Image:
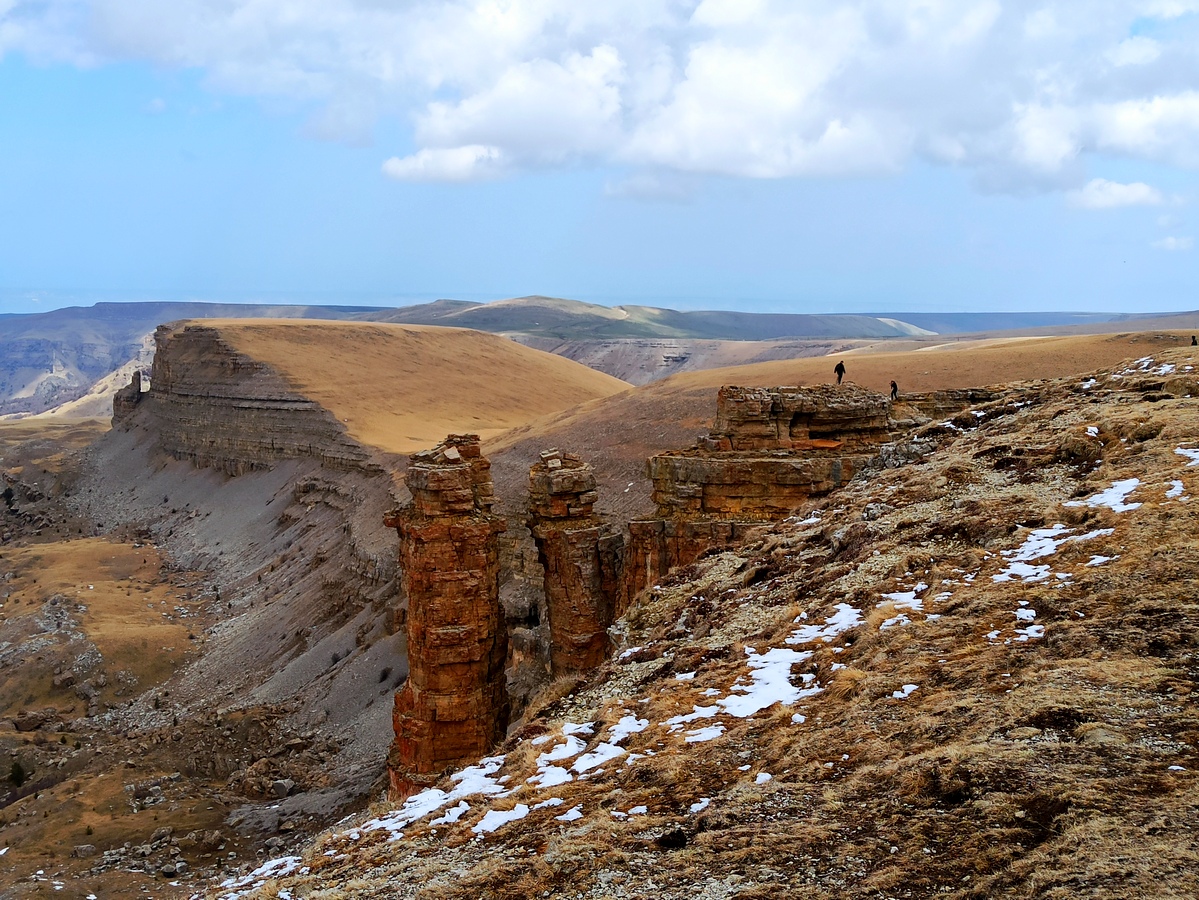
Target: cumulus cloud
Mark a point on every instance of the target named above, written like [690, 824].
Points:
[474, 162]
[1175, 243]
[1099, 193]
[1022, 92]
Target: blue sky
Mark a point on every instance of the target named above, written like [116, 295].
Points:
[971, 155]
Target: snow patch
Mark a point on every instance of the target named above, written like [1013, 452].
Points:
[1113, 498]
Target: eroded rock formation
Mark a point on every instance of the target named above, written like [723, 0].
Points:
[125, 401]
[221, 409]
[770, 450]
[581, 558]
[454, 705]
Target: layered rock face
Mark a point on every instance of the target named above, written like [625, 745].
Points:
[454, 706]
[813, 418]
[770, 450]
[581, 558]
[125, 401]
[221, 409]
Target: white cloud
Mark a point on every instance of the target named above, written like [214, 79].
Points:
[1135, 51]
[1099, 193]
[1175, 243]
[1169, 9]
[471, 163]
[1020, 91]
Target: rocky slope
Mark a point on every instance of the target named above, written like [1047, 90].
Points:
[199, 619]
[969, 676]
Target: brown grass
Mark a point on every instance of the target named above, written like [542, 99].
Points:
[404, 387]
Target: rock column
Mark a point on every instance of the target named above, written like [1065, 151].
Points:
[454, 706]
[580, 558]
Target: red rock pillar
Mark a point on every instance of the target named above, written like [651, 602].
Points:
[454, 706]
[579, 557]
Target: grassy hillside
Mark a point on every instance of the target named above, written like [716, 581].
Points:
[972, 676]
[402, 388]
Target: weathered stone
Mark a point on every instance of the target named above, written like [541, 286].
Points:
[580, 557]
[281, 787]
[125, 401]
[221, 409]
[770, 450]
[454, 705]
[84, 851]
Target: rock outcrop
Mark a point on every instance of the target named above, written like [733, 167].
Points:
[221, 409]
[581, 557]
[125, 401]
[454, 705]
[770, 450]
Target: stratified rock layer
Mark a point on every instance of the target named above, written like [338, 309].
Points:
[581, 559]
[221, 409]
[125, 401]
[770, 450]
[454, 706]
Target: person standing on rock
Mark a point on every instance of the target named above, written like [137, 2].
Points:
[839, 370]
[894, 391]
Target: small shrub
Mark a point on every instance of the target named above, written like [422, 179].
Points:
[17, 774]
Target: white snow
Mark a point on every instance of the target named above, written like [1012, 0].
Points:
[638, 810]
[627, 653]
[452, 815]
[684, 676]
[497, 818]
[1113, 497]
[844, 618]
[602, 753]
[1026, 615]
[1176, 489]
[699, 735]
[1098, 560]
[274, 868]
[1032, 631]
[552, 801]
[1093, 430]
[905, 692]
[908, 599]
[569, 728]
[626, 726]
[798, 719]
[572, 747]
[771, 684]
[1041, 542]
[763, 777]
[575, 812]
[1088, 384]
[470, 781]
[676, 723]
[1190, 453]
[550, 776]
[700, 805]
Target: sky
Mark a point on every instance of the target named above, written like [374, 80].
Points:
[789, 156]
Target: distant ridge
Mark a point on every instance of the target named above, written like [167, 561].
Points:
[554, 317]
[48, 359]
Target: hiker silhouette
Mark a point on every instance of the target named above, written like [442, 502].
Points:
[839, 369]
[894, 391]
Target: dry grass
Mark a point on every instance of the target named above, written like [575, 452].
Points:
[404, 387]
[1028, 769]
